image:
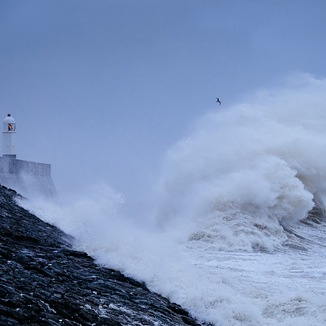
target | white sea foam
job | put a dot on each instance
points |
(215, 243)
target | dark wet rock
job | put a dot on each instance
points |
(45, 282)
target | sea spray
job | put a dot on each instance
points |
(216, 243)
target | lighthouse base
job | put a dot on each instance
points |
(27, 178)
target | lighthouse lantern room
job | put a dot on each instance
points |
(8, 137)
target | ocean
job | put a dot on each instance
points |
(225, 232)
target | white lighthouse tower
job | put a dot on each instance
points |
(26, 177)
(8, 137)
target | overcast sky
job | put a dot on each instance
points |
(101, 89)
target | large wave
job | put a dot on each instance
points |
(248, 169)
(242, 174)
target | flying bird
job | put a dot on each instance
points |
(218, 101)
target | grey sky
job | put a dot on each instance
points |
(102, 88)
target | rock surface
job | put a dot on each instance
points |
(45, 282)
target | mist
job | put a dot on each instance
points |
(229, 185)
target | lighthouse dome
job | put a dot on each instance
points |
(9, 124)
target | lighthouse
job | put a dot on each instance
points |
(26, 177)
(8, 137)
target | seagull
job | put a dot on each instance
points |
(218, 101)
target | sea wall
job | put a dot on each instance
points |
(26, 177)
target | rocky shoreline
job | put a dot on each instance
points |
(44, 281)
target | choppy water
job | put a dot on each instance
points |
(224, 236)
